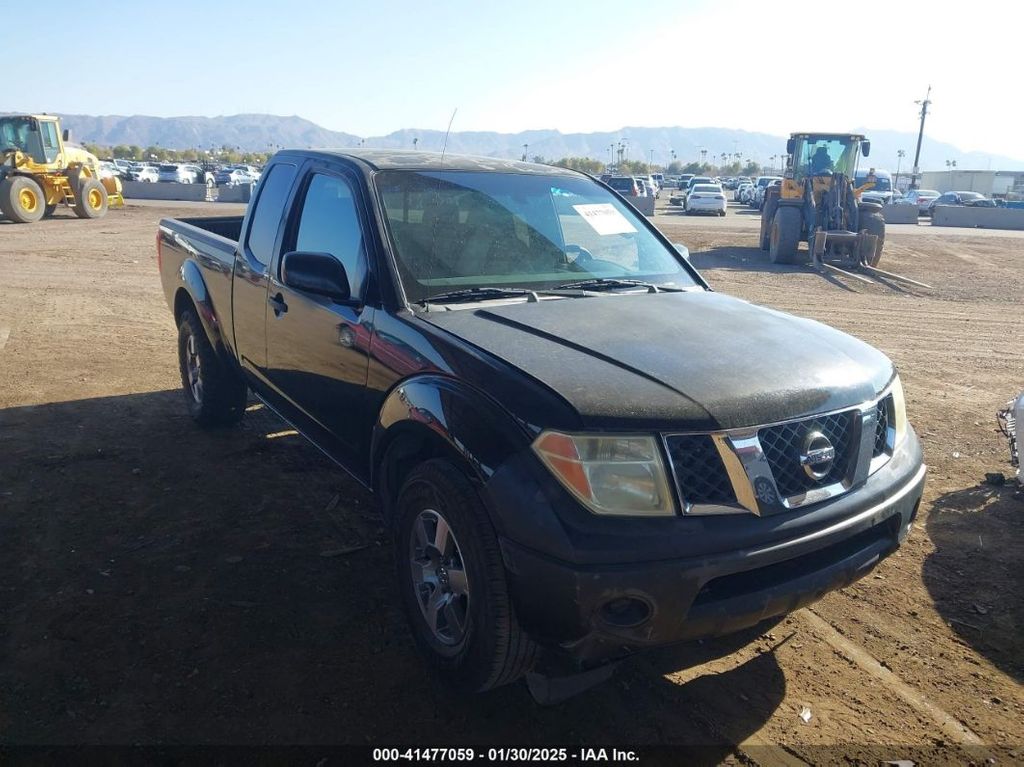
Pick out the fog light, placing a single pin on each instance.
(625, 612)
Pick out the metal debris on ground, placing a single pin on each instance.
(806, 715)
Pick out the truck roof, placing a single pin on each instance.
(406, 159)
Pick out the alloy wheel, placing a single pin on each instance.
(439, 578)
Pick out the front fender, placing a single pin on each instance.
(465, 420)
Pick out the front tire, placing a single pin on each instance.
(453, 582)
(785, 235)
(874, 222)
(214, 394)
(90, 198)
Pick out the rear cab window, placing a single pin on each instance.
(268, 210)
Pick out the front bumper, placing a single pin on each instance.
(595, 614)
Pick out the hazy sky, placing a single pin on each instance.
(369, 68)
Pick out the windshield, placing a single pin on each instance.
(17, 133)
(826, 155)
(971, 196)
(882, 184)
(471, 229)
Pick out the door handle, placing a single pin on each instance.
(280, 307)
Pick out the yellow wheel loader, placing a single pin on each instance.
(40, 169)
(818, 204)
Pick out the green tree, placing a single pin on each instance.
(585, 164)
(674, 168)
(751, 169)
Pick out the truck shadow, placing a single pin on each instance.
(974, 575)
(165, 584)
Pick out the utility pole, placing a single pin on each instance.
(915, 174)
(900, 154)
(526, 148)
(650, 165)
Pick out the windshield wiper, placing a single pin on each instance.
(611, 283)
(468, 295)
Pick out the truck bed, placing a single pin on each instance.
(228, 227)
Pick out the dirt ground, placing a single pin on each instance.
(162, 585)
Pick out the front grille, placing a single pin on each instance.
(882, 426)
(698, 468)
(782, 446)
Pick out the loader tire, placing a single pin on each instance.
(874, 223)
(785, 236)
(770, 206)
(50, 210)
(90, 199)
(22, 200)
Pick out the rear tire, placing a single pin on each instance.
(214, 394)
(465, 626)
(22, 200)
(50, 210)
(785, 236)
(90, 199)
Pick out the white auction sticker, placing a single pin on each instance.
(604, 218)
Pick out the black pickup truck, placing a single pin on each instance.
(582, 449)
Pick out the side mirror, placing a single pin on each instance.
(790, 146)
(865, 147)
(67, 135)
(318, 273)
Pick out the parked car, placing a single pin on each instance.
(684, 180)
(232, 177)
(693, 182)
(145, 173)
(759, 187)
(706, 198)
(967, 199)
(181, 174)
(742, 190)
(108, 170)
(625, 185)
(757, 196)
(561, 491)
(922, 198)
(881, 191)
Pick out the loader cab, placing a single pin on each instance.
(22, 133)
(824, 154)
(36, 137)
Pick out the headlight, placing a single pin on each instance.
(899, 411)
(618, 475)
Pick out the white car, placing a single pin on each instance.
(743, 189)
(145, 173)
(706, 198)
(181, 174)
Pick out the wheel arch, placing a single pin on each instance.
(192, 293)
(433, 416)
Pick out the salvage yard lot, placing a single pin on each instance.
(159, 584)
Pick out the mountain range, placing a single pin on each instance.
(261, 132)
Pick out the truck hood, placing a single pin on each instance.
(697, 360)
